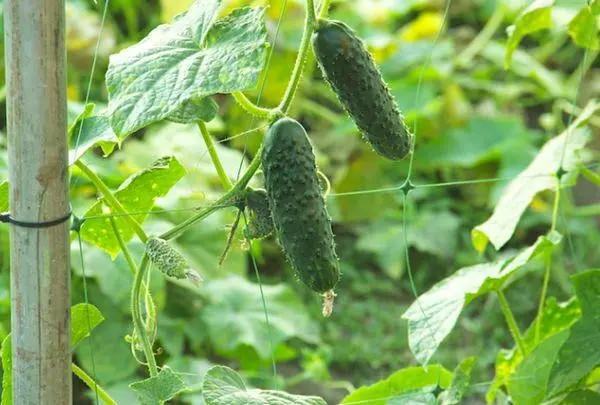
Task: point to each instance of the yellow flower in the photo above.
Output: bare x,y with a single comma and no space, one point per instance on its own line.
539,205
426,26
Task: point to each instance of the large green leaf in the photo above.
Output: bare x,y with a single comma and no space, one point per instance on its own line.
137,194
223,386
538,176
89,131
235,316
580,354
193,57
157,390
534,18
191,111
555,318
434,314
527,385
6,353
583,28
403,381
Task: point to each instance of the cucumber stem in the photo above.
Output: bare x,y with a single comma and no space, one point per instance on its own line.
93,385
214,156
250,107
111,200
309,26
512,323
324,9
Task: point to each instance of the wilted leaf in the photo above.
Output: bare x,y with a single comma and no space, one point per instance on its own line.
223,386
461,380
403,381
534,18
235,316
583,29
137,195
193,57
579,354
433,316
157,390
539,176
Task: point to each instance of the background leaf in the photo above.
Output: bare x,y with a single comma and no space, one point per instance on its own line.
461,380
84,318
537,16
157,390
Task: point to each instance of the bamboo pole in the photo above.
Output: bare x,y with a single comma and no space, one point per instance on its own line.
40,270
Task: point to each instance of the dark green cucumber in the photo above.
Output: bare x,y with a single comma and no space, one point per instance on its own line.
302,223
354,76
260,223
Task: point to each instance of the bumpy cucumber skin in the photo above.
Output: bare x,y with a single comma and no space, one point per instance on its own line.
354,76
260,224
302,223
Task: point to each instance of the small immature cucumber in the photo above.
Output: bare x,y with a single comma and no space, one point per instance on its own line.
302,223
168,260
260,223
352,73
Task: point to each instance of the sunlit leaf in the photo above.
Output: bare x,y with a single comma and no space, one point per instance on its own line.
579,355
583,29
223,386
89,131
461,380
157,390
193,110
433,316
137,195
534,18
235,316
403,381
538,176
84,318
193,57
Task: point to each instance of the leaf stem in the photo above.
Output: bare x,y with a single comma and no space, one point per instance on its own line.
137,316
476,45
214,156
324,9
250,107
124,249
93,385
512,323
538,322
111,200
227,199
309,26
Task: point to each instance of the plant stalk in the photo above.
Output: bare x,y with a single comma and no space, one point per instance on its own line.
93,385
309,26
324,9
111,200
214,156
512,323
250,107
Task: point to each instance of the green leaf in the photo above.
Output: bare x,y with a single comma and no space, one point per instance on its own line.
95,131
235,316
433,316
203,109
527,385
534,18
583,29
156,390
223,386
579,355
538,176
483,139
84,318
6,353
581,397
193,57
420,397
403,381
137,194
4,197
555,318
461,380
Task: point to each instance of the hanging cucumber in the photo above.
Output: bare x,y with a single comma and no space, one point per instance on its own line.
302,223
352,73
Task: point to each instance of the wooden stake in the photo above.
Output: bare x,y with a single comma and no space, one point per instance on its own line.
37,145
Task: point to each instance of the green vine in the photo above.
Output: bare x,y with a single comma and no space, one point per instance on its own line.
214,156
92,385
512,323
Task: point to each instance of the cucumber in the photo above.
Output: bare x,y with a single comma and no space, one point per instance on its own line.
260,223
354,76
168,260
302,224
